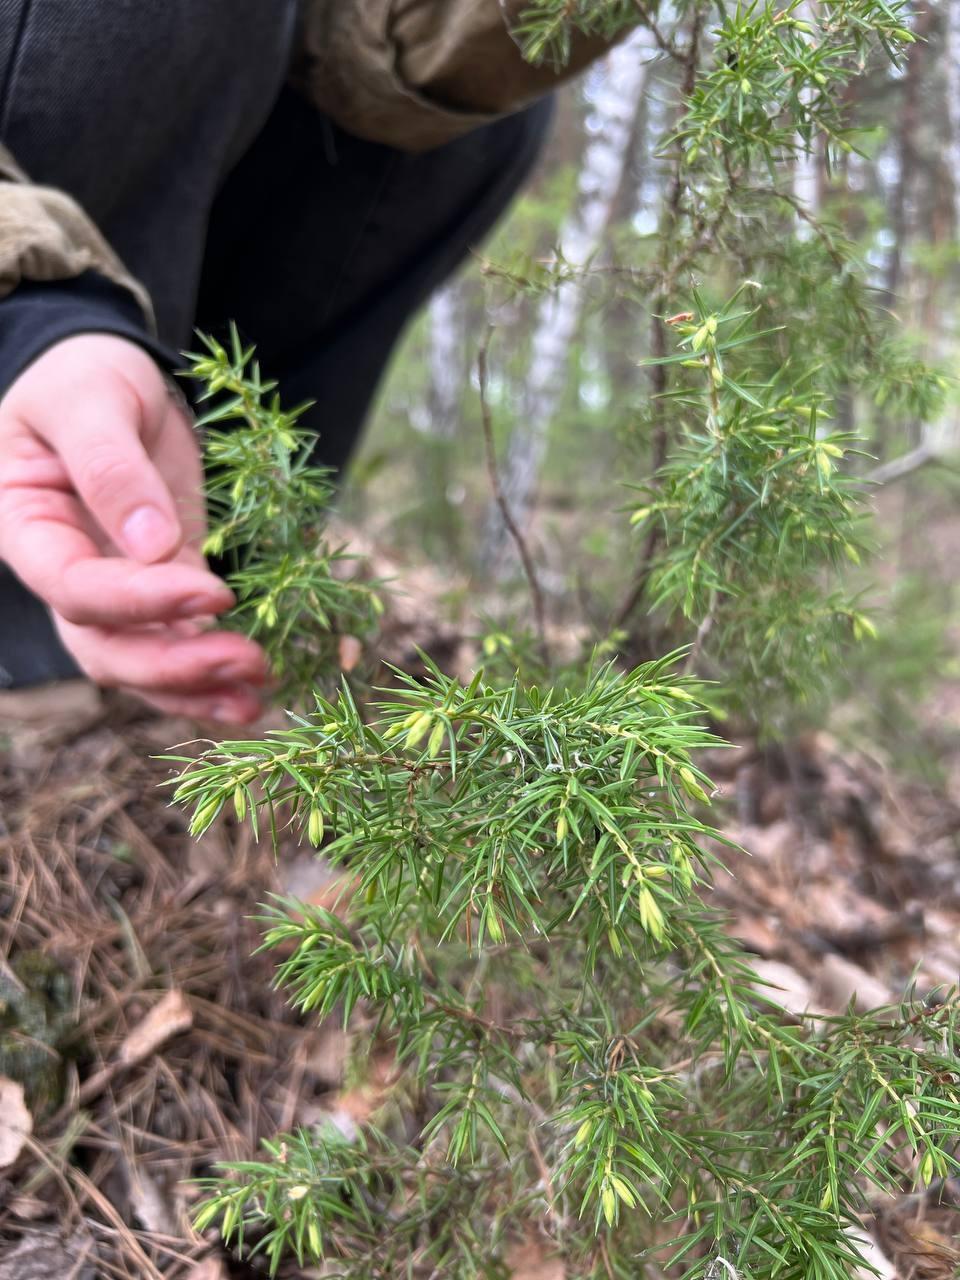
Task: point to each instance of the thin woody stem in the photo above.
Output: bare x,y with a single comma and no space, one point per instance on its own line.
526,559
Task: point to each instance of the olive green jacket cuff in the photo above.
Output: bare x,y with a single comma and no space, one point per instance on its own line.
414,74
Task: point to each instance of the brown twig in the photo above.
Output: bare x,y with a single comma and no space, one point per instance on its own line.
664,43
704,629
604,1254
462,1013
545,1177
529,569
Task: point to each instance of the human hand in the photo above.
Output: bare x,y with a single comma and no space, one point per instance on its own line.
102,516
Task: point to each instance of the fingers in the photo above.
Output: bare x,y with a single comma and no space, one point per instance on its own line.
102,516
177,458
221,706
112,593
97,426
164,661
51,552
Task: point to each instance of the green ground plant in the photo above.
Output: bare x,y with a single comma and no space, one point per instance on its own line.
582,1045
525,861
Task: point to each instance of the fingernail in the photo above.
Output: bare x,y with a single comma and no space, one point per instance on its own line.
148,533
231,713
234,671
200,606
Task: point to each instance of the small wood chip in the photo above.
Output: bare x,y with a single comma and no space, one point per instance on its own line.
148,1202
209,1269
840,981
531,1261
164,1021
350,652
16,1122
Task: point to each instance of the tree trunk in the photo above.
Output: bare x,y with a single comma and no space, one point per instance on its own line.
619,86
900,212
448,367
807,163
951,19
446,361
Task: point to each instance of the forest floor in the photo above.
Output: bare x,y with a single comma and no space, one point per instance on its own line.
164,1047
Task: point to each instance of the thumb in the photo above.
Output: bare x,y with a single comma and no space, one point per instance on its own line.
99,438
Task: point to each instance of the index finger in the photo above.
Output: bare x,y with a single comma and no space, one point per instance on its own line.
48,547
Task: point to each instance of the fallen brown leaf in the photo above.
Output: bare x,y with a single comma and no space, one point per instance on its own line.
359,1104
16,1122
350,651
209,1269
530,1261
148,1202
165,1020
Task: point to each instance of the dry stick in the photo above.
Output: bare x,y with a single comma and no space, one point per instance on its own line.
604,1254
659,380
133,1247
169,1246
664,44
547,1180
74,1181
655,532
704,629
907,463
536,593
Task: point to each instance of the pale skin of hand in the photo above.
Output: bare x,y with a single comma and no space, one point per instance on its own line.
102,516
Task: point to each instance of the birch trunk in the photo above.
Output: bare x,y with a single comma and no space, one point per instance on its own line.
447,375
616,90
439,412
806,179
951,11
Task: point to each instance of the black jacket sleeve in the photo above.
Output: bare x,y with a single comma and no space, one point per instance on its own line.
35,316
